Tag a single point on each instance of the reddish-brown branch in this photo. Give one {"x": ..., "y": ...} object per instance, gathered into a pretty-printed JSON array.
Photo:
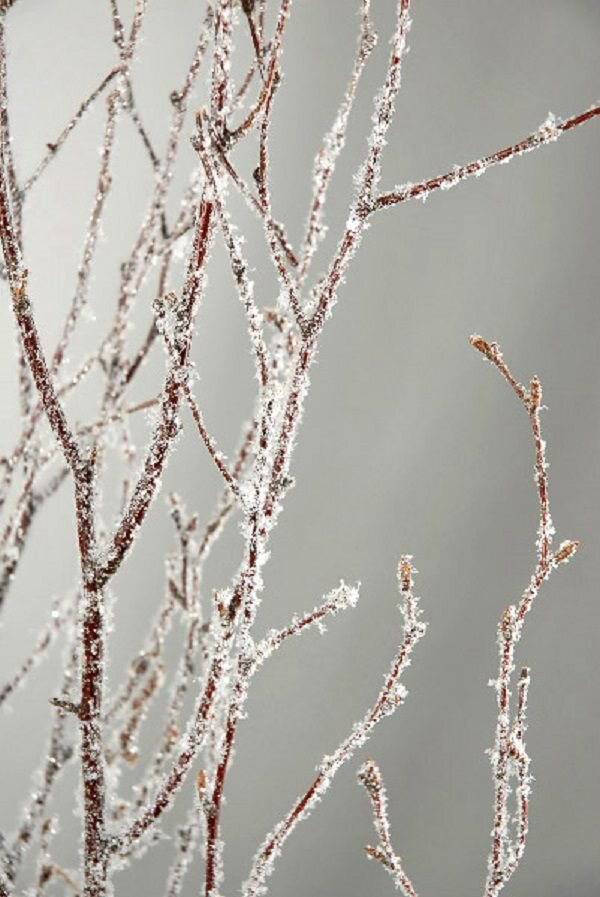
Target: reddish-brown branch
[
  {"x": 388, "y": 700},
  {"x": 168, "y": 789},
  {"x": 338, "y": 599},
  {"x": 60, "y": 614},
  {"x": 369, "y": 174},
  {"x": 508, "y": 752},
  {"x": 55, "y": 145},
  {"x": 166, "y": 429},
  {"x": 41, "y": 374},
  {"x": 370, "y": 777},
  {"x": 270, "y": 80},
  {"x": 333, "y": 144},
  {"x": 545, "y": 134},
  {"x": 219, "y": 649},
  {"x": 209, "y": 442}
]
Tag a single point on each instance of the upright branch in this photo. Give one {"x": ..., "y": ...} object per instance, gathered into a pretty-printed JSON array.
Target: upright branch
[
  {"x": 390, "y": 697},
  {"x": 166, "y": 429},
  {"x": 369, "y": 174},
  {"x": 509, "y": 757},
  {"x": 40, "y": 371},
  {"x": 333, "y": 144}
]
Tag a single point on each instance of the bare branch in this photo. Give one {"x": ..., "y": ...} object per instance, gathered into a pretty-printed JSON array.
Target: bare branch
[
  {"x": 339, "y": 599},
  {"x": 209, "y": 442},
  {"x": 388, "y": 700},
  {"x": 549, "y": 132},
  {"x": 55, "y": 145},
  {"x": 41, "y": 373},
  {"x": 370, "y": 777},
  {"x": 212, "y": 630},
  {"x": 333, "y": 144},
  {"x": 508, "y": 755}
]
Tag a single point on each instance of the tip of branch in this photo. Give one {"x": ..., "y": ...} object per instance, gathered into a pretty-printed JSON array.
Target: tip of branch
[
  {"x": 483, "y": 346},
  {"x": 535, "y": 393},
  {"x": 369, "y": 776},
  {"x": 366, "y": 768},
  {"x": 406, "y": 570},
  {"x": 566, "y": 551}
]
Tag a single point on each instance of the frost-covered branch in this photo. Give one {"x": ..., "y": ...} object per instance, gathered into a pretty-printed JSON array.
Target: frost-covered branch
[
  {"x": 370, "y": 778},
  {"x": 509, "y": 757},
  {"x": 390, "y": 697},
  {"x": 549, "y": 132},
  {"x": 221, "y": 101},
  {"x": 333, "y": 144},
  {"x": 339, "y": 599}
]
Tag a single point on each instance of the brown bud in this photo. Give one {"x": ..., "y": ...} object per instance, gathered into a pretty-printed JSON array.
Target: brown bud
[
  {"x": 482, "y": 346},
  {"x": 566, "y": 551},
  {"x": 405, "y": 572},
  {"x": 535, "y": 393},
  {"x": 46, "y": 873}
]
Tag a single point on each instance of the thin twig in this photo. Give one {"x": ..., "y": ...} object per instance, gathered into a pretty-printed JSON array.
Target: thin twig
[{"x": 370, "y": 777}]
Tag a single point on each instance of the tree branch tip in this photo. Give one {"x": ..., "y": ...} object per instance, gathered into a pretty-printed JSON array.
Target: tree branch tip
[
  {"x": 406, "y": 571},
  {"x": 566, "y": 551},
  {"x": 490, "y": 350},
  {"x": 535, "y": 393},
  {"x": 369, "y": 776},
  {"x": 365, "y": 768}
]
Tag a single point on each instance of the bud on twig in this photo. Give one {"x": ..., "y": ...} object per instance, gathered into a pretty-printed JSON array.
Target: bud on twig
[{"x": 566, "y": 551}]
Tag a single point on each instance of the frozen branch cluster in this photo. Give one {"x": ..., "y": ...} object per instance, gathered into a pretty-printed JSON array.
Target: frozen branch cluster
[{"x": 221, "y": 650}]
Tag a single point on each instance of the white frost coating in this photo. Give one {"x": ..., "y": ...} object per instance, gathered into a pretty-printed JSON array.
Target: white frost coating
[
  {"x": 387, "y": 701},
  {"x": 219, "y": 652},
  {"x": 339, "y": 599}
]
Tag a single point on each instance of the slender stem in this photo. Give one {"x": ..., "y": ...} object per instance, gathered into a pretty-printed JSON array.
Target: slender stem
[{"x": 548, "y": 133}]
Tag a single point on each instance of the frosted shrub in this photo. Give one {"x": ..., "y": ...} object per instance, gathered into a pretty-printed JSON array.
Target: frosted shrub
[{"x": 222, "y": 648}]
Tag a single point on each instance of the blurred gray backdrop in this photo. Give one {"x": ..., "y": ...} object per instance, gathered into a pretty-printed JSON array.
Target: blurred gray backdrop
[{"x": 409, "y": 442}]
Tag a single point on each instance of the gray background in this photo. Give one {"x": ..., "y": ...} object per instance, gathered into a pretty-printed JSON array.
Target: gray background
[{"x": 409, "y": 443}]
